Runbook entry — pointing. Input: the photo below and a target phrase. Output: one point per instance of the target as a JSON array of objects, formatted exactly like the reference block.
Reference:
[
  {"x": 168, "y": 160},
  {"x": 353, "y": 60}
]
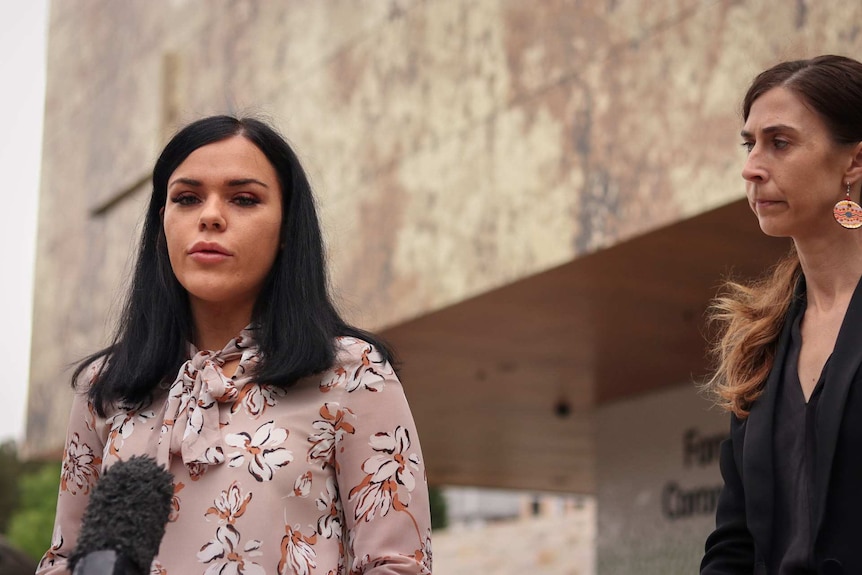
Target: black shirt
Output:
[{"x": 794, "y": 443}]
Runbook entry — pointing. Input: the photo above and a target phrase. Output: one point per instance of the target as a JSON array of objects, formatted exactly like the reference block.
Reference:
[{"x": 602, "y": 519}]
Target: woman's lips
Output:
[
  {"x": 766, "y": 204},
  {"x": 208, "y": 252},
  {"x": 209, "y": 257}
]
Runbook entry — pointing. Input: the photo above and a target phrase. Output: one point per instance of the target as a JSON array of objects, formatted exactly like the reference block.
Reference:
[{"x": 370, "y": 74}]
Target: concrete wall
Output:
[
  {"x": 658, "y": 481},
  {"x": 456, "y": 145}
]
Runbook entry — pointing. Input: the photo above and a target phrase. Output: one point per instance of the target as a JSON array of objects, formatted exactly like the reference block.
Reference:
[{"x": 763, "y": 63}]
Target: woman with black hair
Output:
[{"x": 291, "y": 443}]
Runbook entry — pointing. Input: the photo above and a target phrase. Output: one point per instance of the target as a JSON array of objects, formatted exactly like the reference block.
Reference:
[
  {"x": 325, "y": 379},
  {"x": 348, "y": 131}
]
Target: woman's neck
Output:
[
  {"x": 215, "y": 325},
  {"x": 832, "y": 268}
]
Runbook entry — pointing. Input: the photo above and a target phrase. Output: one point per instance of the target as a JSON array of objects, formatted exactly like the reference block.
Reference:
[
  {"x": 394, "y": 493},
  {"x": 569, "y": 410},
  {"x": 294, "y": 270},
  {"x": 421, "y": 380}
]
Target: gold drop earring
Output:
[{"x": 847, "y": 212}]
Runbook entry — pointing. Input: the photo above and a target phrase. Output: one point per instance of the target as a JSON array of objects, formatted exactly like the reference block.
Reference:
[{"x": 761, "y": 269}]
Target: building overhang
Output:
[{"x": 504, "y": 386}]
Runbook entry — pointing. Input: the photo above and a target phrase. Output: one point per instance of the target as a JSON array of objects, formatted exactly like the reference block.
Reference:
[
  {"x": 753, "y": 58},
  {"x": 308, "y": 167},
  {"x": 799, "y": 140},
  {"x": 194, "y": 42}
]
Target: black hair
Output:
[{"x": 294, "y": 320}]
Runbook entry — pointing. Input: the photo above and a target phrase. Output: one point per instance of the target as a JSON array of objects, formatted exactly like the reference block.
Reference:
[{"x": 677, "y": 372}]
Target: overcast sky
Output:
[{"x": 22, "y": 96}]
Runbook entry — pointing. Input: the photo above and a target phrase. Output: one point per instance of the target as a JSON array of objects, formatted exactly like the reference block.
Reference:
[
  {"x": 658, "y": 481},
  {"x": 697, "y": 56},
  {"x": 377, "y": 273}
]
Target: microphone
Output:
[{"x": 125, "y": 520}]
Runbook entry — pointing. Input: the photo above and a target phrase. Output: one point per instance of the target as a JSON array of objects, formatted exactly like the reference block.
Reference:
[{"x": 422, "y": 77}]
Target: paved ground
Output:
[{"x": 559, "y": 545}]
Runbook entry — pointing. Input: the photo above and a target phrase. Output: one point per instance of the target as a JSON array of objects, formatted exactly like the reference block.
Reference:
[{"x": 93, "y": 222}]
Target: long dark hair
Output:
[
  {"x": 751, "y": 316},
  {"x": 294, "y": 320}
]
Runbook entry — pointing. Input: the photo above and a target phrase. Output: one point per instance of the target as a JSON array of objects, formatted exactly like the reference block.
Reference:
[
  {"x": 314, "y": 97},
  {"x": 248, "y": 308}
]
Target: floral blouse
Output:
[{"x": 325, "y": 477}]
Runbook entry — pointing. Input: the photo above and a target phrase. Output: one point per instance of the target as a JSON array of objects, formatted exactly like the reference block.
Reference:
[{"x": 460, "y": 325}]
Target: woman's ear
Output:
[{"x": 854, "y": 171}]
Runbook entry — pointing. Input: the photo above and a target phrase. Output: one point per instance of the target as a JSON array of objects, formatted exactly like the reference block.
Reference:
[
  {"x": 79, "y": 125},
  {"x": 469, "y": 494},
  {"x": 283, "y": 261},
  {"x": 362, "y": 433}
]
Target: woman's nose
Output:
[
  {"x": 212, "y": 216},
  {"x": 753, "y": 170}
]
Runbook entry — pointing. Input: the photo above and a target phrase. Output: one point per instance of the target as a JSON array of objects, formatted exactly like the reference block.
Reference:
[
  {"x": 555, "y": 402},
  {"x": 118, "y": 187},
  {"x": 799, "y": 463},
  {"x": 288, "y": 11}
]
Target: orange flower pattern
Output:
[
  {"x": 54, "y": 553},
  {"x": 369, "y": 371},
  {"x": 323, "y": 478},
  {"x": 256, "y": 398},
  {"x": 330, "y": 430},
  {"x": 297, "y": 553},
  {"x": 224, "y": 552},
  {"x": 123, "y": 425},
  {"x": 80, "y": 466},
  {"x": 175, "y": 501},
  {"x": 390, "y": 476}
]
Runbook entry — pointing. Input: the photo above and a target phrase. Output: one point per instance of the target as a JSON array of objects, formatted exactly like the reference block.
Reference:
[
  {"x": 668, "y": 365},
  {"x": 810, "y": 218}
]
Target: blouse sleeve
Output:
[
  {"x": 729, "y": 548},
  {"x": 380, "y": 471},
  {"x": 82, "y": 459}
]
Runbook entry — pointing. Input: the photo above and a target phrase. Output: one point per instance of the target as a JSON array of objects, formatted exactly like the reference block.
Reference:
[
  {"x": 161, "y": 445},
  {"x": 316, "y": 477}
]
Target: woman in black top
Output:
[{"x": 789, "y": 354}]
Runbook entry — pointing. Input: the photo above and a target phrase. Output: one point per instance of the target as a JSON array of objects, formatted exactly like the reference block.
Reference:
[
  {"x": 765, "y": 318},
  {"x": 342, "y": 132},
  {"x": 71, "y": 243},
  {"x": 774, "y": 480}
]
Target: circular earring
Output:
[{"x": 847, "y": 212}]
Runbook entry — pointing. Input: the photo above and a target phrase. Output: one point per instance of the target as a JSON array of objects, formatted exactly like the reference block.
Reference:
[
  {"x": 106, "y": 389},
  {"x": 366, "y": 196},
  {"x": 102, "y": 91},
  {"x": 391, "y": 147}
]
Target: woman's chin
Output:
[{"x": 771, "y": 229}]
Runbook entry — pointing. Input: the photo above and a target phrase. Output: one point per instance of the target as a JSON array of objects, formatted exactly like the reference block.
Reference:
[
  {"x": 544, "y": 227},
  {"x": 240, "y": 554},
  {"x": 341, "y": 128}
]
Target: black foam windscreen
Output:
[{"x": 127, "y": 513}]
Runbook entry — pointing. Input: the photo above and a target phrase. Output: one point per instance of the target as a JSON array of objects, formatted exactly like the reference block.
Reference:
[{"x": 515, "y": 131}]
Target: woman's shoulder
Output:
[
  {"x": 88, "y": 378},
  {"x": 359, "y": 364},
  {"x": 89, "y": 375},
  {"x": 350, "y": 349}
]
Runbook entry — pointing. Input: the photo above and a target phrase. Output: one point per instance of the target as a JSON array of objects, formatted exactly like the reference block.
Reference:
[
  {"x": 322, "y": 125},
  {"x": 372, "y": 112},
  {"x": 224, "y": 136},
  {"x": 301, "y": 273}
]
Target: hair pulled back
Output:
[{"x": 750, "y": 317}]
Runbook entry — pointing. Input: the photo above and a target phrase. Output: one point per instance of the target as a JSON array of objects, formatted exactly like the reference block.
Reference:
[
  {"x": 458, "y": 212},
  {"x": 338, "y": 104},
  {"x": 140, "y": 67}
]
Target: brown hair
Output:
[{"x": 750, "y": 316}]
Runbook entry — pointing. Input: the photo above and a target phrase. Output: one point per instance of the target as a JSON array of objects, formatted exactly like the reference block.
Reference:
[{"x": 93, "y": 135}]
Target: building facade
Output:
[{"x": 532, "y": 200}]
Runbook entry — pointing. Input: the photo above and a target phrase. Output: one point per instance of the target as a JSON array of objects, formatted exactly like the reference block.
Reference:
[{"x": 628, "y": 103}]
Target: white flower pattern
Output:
[
  {"x": 369, "y": 371},
  {"x": 329, "y": 524},
  {"x": 223, "y": 552},
  {"x": 262, "y": 450},
  {"x": 122, "y": 426},
  {"x": 331, "y": 429},
  {"x": 256, "y": 398},
  {"x": 321, "y": 478},
  {"x": 390, "y": 480},
  {"x": 297, "y": 552},
  {"x": 230, "y": 505}
]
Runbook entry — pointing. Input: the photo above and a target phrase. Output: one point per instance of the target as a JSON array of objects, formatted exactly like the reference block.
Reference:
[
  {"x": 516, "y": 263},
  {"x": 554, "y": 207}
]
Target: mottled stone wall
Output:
[{"x": 456, "y": 145}]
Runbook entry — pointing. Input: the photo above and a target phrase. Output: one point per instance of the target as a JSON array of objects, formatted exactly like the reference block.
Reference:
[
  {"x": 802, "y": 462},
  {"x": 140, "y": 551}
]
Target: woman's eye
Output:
[
  {"x": 246, "y": 201},
  {"x": 184, "y": 199}
]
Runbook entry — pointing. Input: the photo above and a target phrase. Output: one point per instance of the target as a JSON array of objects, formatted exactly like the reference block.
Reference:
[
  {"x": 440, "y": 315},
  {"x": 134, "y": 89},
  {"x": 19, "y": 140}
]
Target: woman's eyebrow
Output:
[
  {"x": 186, "y": 181},
  {"x": 245, "y": 181},
  {"x": 231, "y": 183},
  {"x": 769, "y": 130}
]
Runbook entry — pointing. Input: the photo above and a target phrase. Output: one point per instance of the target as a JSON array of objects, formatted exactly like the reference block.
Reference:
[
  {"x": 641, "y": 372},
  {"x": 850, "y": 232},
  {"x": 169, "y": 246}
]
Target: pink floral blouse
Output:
[{"x": 323, "y": 478}]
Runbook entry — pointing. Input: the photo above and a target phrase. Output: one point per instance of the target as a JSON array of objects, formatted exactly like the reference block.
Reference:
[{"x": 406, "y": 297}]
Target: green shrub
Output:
[
  {"x": 10, "y": 473},
  {"x": 438, "y": 508},
  {"x": 32, "y": 523}
]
